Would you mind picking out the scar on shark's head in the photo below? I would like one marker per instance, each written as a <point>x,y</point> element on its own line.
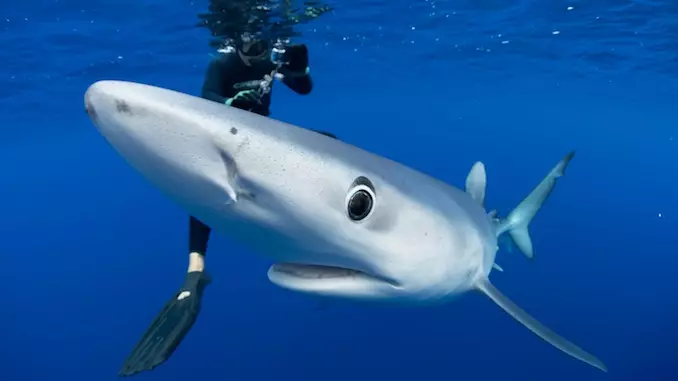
<point>122,106</point>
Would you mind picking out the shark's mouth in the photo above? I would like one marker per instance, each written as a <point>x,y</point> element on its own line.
<point>298,270</point>
<point>329,280</point>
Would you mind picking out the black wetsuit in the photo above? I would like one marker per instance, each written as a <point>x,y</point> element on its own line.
<point>223,75</point>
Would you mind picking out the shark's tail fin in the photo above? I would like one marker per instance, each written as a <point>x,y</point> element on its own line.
<point>518,221</point>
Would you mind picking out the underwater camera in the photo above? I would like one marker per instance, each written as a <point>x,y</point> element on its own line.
<point>278,52</point>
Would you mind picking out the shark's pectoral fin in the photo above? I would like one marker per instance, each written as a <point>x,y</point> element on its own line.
<point>331,135</point>
<point>476,181</point>
<point>518,221</point>
<point>484,286</point>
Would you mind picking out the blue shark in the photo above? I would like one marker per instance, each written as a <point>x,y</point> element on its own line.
<point>337,221</point>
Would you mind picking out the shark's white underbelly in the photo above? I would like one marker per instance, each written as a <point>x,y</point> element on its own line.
<point>278,240</point>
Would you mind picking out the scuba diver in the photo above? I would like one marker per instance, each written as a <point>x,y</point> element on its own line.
<point>243,79</point>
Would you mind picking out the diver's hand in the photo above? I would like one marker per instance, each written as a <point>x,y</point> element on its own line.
<point>245,99</point>
<point>296,60</point>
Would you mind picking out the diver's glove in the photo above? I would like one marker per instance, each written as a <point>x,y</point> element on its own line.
<point>296,60</point>
<point>169,327</point>
<point>245,99</point>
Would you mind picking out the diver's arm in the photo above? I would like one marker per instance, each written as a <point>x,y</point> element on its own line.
<point>301,84</point>
<point>211,87</point>
<point>296,72</point>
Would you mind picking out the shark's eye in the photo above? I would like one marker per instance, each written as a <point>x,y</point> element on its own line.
<point>360,199</point>
<point>359,205</point>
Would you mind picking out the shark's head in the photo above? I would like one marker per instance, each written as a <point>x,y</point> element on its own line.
<point>337,220</point>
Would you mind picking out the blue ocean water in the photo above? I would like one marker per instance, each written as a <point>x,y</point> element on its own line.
<point>91,251</point>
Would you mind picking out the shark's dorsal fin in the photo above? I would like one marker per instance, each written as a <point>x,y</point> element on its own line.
<point>331,135</point>
<point>476,182</point>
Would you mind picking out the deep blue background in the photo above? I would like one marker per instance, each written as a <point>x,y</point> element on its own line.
<point>90,251</point>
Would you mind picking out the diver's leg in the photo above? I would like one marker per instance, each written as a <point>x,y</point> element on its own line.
<point>199,235</point>
<point>177,317</point>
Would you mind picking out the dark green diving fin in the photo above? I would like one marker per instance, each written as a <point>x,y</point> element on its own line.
<point>331,135</point>
<point>169,327</point>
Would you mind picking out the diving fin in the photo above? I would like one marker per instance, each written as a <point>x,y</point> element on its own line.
<point>518,221</point>
<point>483,285</point>
<point>169,327</point>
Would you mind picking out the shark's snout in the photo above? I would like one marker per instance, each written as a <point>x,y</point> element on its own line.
<point>100,101</point>
<point>106,97</point>
<point>162,138</point>
<point>89,106</point>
